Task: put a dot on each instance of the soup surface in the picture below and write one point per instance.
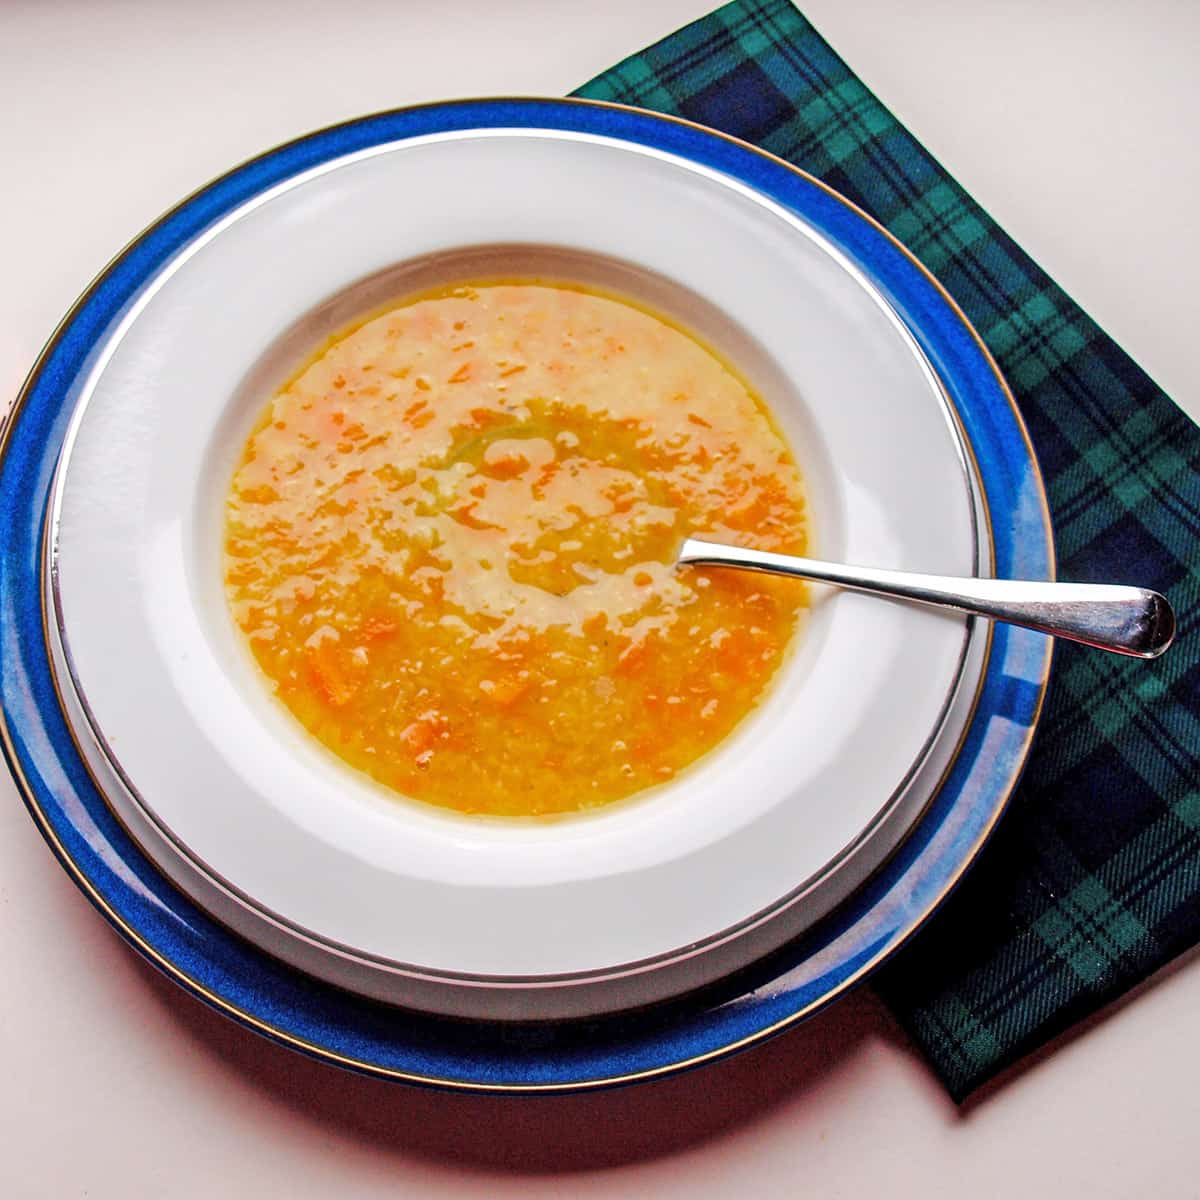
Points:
(449, 543)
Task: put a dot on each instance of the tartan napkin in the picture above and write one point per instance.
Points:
(1093, 879)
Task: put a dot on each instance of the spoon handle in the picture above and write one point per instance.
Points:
(1126, 620)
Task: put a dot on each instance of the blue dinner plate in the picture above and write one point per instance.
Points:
(233, 977)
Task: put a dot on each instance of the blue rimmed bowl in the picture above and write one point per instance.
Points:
(996, 719)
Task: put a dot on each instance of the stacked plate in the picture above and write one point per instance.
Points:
(278, 885)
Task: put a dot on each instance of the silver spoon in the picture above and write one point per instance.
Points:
(1126, 620)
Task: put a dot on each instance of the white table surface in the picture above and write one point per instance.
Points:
(1074, 122)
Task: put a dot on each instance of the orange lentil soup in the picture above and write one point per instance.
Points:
(449, 543)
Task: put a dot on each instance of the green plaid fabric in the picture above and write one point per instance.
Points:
(1093, 880)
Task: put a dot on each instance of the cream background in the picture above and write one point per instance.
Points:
(1073, 122)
